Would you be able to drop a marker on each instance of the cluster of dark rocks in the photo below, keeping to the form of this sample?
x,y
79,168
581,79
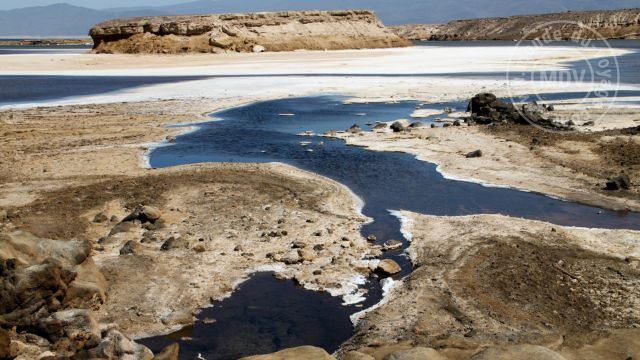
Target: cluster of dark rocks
x,y
486,109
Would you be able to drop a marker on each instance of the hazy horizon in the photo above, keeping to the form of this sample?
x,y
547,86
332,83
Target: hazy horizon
x,y
19,4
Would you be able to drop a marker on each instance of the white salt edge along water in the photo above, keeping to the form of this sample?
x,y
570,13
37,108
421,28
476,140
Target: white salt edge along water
x,y
388,287
405,223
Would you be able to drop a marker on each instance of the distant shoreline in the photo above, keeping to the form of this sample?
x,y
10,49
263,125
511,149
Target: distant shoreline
x,y
18,41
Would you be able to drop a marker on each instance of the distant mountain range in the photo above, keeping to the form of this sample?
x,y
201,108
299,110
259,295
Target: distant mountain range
x,y
68,20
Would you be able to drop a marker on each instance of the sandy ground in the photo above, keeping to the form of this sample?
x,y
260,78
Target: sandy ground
x,y
487,280
415,60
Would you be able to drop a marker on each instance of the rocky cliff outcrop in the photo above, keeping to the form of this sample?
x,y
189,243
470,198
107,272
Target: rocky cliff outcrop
x,y
257,32
616,24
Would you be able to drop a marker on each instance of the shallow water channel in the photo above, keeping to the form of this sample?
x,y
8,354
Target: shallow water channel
x,y
265,315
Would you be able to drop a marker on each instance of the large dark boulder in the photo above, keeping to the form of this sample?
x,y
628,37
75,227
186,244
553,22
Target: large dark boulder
x,y
397,127
486,109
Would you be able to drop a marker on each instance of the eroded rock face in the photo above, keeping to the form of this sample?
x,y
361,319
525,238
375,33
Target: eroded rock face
x,y
282,31
608,24
41,276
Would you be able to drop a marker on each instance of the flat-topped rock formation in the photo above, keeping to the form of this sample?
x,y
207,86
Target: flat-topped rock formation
x,y
256,32
615,24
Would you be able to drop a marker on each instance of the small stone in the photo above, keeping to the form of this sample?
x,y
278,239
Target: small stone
x,y
392,245
388,267
318,233
291,258
122,228
100,218
317,272
199,248
474,154
372,238
354,129
298,245
238,248
307,255
258,49
175,243
397,127
130,248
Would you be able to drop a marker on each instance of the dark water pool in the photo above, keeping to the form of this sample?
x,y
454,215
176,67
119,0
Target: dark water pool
x,y
21,89
384,180
263,316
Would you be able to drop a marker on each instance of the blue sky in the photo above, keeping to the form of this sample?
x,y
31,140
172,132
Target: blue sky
x,y
14,4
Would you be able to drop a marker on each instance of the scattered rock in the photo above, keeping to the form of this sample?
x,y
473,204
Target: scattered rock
x,y
354,129
175,243
291,258
298,245
457,123
78,326
100,218
388,267
299,353
131,248
372,238
258,49
114,346
416,125
144,214
474,154
380,126
418,353
170,139
392,245
518,352
589,123
397,127
199,248
171,352
618,183
123,227
157,225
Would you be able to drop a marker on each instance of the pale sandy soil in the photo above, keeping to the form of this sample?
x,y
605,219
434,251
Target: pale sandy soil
x,y
416,60
488,280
